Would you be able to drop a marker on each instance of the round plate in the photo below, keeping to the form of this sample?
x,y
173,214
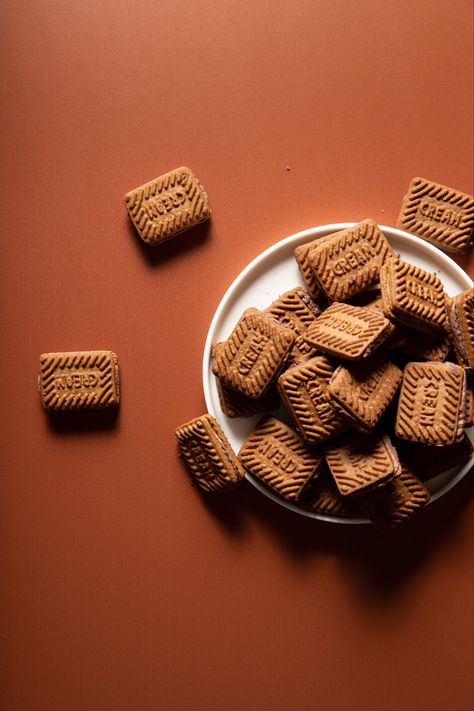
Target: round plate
x,y
272,273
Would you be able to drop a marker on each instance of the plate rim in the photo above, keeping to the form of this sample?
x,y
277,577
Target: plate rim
x,y
313,232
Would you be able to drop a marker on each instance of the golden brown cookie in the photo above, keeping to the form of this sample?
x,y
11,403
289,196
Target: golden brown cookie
x,y
349,261
296,310
431,406
304,392
361,392
348,332
79,380
412,296
168,205
277,456
254,353
438,214
359,461
209,456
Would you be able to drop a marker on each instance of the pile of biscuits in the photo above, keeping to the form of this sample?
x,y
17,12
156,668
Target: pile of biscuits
x,y
372,363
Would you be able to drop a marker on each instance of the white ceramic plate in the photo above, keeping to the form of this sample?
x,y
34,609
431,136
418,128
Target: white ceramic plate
x,y
275,271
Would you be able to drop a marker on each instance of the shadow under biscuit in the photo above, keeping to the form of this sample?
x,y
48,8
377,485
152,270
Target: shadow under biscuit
x,y
173,247
82,421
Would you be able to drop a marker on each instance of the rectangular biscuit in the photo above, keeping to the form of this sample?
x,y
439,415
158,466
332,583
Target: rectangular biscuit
x,y
360,461
361,392
277,456
168,205
413,297
461,322
348,332
209,456
396,501
79,380
349,261
254,353
303,389
296,310
438,214
431,406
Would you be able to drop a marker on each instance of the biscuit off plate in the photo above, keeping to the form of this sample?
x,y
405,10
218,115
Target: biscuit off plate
x,y
275,271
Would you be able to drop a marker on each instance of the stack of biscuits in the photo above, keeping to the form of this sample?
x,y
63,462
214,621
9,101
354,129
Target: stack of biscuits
x,y
372,363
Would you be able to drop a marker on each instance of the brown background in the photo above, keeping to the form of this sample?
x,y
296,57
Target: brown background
x,y
121,588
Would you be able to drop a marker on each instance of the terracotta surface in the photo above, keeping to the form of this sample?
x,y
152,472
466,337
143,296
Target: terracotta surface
x,y
121,588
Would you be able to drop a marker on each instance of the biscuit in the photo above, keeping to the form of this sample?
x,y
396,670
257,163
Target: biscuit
x,y
412,296
277,456
349,261
438,214
427,461
304,392
209,456
235,404
79,380
254,353
168,205
361,392
360,461
396,501
461,321
431,405
348,332
323,497
296,310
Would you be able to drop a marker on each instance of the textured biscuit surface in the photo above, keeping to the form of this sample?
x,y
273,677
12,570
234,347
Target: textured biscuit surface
x,y
348,332
360,461
461,321
412,296
395,501
296,310
431,405
275,454
253,354
208,454
304,391
168,205
438,214
349,261
363,391
79,380
236,404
